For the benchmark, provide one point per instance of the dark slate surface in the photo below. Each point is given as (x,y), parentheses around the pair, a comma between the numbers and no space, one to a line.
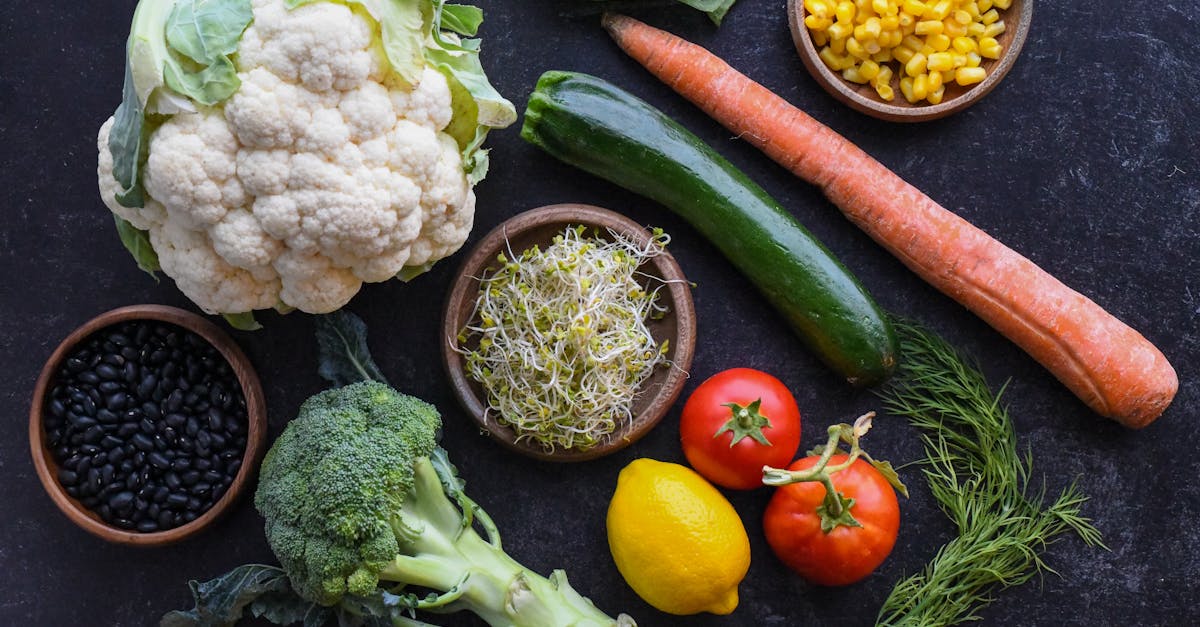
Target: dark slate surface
(1084,159)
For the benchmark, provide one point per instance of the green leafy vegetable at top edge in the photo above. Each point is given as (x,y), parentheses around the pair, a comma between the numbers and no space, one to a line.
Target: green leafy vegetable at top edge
(716,9)
(981,483)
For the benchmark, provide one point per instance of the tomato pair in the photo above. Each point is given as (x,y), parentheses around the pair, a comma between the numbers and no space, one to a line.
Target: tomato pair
(835,516)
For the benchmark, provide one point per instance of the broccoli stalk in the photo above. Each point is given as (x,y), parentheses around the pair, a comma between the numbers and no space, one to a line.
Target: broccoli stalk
(370,522)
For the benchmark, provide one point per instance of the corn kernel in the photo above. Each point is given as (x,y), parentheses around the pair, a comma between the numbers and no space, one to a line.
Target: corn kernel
(906,88)
(855,49)
(853,75)
(902,54)
(890,22)
(820,38)
(939,43)
(868,69)
(1003,4)
(873,27)
(989,17)
(950,28)
(819,8)
(972,9)
(984,5)
(920,87)
(960,59)
(969,75)
(961,16)
(912,43)
(860,33)
(817,23)
(976,29)
(905,20)
(929,27)
(880,6)
(973,59)
(927,50)
(831,58)
(994,29)
(939,10)
(916,65)
(935,96)
(838,45)
(940,62)
(872,47)
(989,48)
(915,8)
(885,92)
(935,81)
(884,77)
(863,11)
(845,12)
(883,56)
(840,30)
(965,44)
(947,77)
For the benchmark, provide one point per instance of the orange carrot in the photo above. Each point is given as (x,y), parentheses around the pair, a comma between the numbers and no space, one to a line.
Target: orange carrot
(1107,364)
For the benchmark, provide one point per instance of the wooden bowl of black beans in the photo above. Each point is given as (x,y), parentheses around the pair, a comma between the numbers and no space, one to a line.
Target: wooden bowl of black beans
(146,424)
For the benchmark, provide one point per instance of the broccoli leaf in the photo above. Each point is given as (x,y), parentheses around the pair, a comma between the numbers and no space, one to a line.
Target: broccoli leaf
(343,356)
(220,602)
(137,242)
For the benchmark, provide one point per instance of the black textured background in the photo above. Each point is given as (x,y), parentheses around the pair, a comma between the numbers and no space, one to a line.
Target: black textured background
(1084,159)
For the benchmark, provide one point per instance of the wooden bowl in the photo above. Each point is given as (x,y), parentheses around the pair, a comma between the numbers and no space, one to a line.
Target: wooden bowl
(539,226)
(863,97)
(47,468)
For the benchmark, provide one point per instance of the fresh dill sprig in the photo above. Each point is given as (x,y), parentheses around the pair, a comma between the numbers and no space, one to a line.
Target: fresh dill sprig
(981,483)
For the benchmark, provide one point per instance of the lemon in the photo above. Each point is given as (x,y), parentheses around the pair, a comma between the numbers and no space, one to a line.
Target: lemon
(676,540)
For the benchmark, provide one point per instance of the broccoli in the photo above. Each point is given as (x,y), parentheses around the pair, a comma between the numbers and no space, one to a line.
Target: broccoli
(369,521)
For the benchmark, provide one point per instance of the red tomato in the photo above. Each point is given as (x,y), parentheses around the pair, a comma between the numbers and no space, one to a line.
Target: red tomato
(735,423)
(846,554)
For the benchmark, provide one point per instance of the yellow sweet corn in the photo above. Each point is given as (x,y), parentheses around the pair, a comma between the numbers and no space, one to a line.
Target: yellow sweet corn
(855,49)
(969,75)
(873,27)
(915,8)
(940,62)
(935,81)
(989,48)
(915,65)
(817,23)
(989,17)
(845,12)
(1003,4)
(939,43)
(854,76)
(906,88)
(935,96)
(994,29)
(902,54)
(965,44)
(885,92)
(929,27)
(939,10)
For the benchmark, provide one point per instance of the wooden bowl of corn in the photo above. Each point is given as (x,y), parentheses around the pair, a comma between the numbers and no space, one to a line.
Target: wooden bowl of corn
(909,60)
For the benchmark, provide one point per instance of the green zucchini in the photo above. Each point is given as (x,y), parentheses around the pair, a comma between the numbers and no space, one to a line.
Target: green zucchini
(594,125)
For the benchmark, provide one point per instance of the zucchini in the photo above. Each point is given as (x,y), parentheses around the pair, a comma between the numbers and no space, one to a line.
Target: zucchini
(594,125)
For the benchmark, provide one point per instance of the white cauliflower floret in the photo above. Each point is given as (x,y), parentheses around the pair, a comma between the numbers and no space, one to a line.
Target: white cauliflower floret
(320,172)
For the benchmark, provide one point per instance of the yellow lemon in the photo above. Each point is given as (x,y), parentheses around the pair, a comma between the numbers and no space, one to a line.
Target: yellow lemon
(676,540)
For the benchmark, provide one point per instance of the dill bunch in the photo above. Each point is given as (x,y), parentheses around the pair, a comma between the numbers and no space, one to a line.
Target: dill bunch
(980,482)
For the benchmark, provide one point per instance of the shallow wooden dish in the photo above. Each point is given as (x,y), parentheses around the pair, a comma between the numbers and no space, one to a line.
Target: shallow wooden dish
(538,226)
(863,97)
(256,415)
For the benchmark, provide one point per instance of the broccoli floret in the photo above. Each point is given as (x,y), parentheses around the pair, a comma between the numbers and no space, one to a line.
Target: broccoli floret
(357,497)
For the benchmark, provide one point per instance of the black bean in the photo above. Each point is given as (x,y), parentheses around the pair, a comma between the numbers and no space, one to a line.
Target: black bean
(147,426)
(93,481)
(153,510)
(193,505)
(216,423)
(107,372)
(201,464)
(177,500)
(116,455)
(100,459)
(201,489)
(228,454)
(109,442)
(123,523)
(219,441)
(203,439)
(67,478)
(202,450)
(73,491)
(129,353)
(81,422)
(193,426)
(150,410)
(146,387)
(183,384)
(113,359)
(143,442)
(127,465)
(176,420)
(58,408)
(89,449)
(89,502)
(212,476)
(160,494)
(54,435)
(157,460)
(75,364)
(166,519)
(108,387)
(116,401)
(170,371)
(185,445)
(105,512)
(139,459)
(94,396)
(172,480)
(147,526)
(170,434)
(84,465)
(127,429)
(121,500)
(72,462)
(130,373)
(133,482)
(190,478)
(89,406)
(106,474)
(76,439)
(93,434)
(140,505)
(181,463)
(107,416)
(89,378)
(174,400)
(61,451)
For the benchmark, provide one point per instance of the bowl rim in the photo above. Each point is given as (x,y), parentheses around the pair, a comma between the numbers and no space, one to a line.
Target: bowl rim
(255,416)
(467,283)
(836,86)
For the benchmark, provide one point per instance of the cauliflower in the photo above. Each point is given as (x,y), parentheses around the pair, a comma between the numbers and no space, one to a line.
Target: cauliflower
(280,153)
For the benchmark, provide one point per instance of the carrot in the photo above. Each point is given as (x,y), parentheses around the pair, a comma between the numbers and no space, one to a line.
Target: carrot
(1107,364)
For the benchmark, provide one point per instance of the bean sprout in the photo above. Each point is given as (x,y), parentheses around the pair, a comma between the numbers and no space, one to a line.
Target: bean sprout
(559,340)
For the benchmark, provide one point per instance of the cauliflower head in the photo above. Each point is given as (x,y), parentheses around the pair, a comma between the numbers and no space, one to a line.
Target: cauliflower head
(280,153)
